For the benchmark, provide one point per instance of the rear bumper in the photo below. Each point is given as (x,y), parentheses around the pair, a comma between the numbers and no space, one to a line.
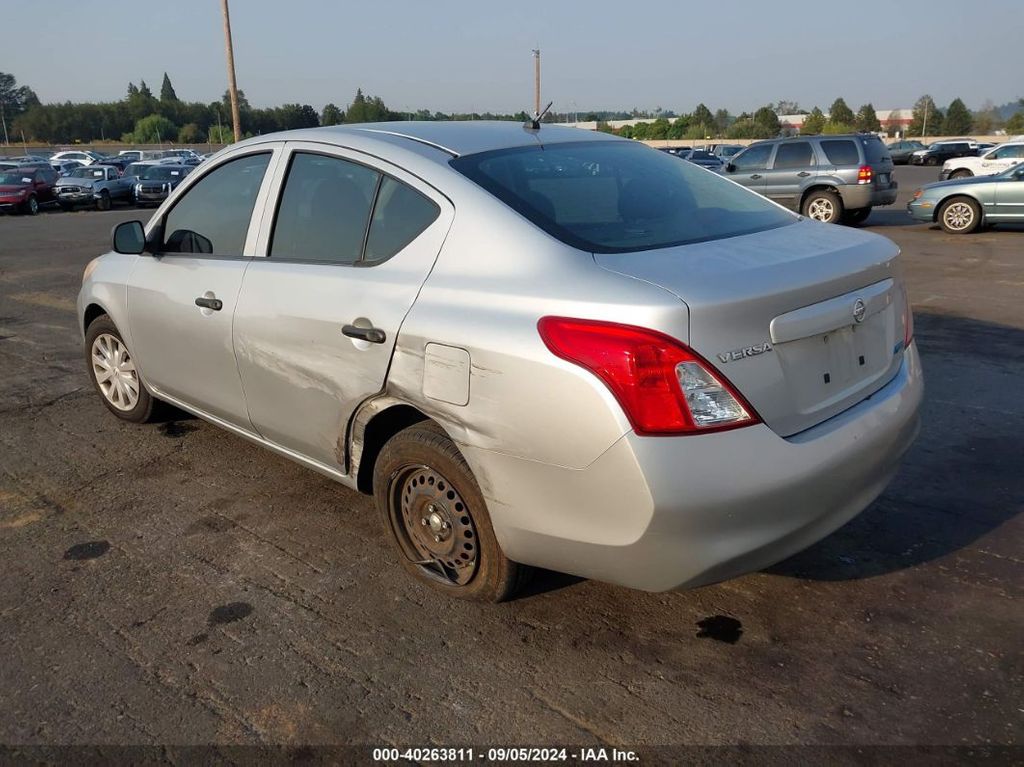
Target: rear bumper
(857,196)
(662,513)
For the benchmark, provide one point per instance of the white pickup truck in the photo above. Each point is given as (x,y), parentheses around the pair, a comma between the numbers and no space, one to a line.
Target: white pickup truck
(995,160)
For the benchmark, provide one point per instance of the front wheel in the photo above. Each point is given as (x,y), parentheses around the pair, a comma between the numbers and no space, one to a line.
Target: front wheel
(960,174)
(435,515)
(823,206)
(961,215)
(32,206)
(932,161)
(103,201)
(113,372)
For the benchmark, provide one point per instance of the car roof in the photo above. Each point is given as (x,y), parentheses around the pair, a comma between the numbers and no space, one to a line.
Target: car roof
(454,138)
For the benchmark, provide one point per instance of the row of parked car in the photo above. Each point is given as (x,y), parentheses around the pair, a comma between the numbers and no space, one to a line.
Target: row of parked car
(840,179)
(82,178)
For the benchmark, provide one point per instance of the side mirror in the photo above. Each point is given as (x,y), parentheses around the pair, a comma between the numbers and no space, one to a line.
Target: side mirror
(730,167)
(129,238)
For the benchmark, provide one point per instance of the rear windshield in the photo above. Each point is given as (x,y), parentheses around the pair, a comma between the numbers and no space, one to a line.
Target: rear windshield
(617,197)
(875,151)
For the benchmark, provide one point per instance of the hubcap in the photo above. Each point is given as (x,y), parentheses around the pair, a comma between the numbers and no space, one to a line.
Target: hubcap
(958,216)
(114,371)
(821,210)
(433,524)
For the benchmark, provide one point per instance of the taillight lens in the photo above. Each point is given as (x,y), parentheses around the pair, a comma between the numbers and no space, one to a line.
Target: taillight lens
(864,174)
(663,386)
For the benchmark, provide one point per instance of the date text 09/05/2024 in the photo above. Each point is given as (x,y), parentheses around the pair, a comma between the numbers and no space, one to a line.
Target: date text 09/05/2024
(503,754)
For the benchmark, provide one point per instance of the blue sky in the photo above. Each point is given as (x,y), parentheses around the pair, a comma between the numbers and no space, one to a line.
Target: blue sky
(459,55)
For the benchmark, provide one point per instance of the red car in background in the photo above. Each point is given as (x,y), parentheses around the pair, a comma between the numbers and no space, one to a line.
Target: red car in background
(25,189)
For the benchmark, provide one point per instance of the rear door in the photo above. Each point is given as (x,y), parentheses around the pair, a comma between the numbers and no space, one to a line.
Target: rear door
(347,246)
(793,167)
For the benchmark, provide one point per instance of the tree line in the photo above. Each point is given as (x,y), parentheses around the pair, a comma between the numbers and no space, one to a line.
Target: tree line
(144,118)
(927,120)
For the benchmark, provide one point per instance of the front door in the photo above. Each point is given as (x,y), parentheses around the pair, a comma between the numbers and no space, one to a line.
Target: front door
(182,298)
(351,243)
(1010,197)
(749,166)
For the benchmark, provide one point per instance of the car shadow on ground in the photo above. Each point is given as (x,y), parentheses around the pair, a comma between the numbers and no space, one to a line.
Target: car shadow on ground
(895,216)
(962,479)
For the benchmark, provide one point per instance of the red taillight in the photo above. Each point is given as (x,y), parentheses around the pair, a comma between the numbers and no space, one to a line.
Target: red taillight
(864,174)
(647,372)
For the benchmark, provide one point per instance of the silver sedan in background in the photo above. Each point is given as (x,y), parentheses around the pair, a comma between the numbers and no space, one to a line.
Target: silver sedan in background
(533,346)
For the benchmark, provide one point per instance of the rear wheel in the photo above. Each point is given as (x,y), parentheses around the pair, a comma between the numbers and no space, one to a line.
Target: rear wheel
(960,215)
(823,205)
(435,515)
(113,372)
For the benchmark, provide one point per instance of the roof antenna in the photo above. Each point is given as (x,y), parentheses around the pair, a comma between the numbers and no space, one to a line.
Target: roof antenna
(534,122)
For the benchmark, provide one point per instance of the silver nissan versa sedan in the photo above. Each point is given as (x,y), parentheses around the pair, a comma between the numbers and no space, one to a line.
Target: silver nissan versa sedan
(533,346)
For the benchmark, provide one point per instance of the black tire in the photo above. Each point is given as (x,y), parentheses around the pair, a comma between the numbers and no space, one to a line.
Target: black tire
(143,410)
(931,161)
(823,205)
(856,216)
(959,215)
(420,474)
(103,201)
(963,173)
(31,206)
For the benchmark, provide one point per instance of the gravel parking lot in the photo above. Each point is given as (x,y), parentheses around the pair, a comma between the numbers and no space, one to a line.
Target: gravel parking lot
(173,583)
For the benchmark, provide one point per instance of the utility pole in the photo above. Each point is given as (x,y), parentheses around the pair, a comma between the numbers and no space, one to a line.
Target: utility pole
(232,85)
(536,81)
(3,118)
(924,129)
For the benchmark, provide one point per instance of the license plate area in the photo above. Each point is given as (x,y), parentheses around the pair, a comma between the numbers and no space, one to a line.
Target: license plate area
(825,369)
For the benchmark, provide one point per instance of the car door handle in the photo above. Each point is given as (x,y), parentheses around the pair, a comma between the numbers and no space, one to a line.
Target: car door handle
(756,175)
(803,174)
(373,335)
(210,303)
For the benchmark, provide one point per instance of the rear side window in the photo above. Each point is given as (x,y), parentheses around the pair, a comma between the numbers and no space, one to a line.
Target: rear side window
(324,210)
(400,215)
(841,151)
(795,155)
(213,216)
(619,197)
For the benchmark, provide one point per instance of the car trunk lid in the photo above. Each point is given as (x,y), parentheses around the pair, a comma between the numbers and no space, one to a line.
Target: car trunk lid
(804,320)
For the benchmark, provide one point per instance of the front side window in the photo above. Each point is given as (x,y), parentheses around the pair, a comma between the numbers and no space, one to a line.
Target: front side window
(754,158)
(795,155)
(213,216)
(619,197)
(324,210)
(841,151)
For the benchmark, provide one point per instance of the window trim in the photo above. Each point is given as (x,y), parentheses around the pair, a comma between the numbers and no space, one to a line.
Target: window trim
(354,156)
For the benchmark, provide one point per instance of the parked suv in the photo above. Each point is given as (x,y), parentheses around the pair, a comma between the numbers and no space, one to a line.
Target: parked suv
(827,178)
(941,151)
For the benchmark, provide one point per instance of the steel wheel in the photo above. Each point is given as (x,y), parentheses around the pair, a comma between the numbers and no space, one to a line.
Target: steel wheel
(433,524)
(959,216)
(114,371)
